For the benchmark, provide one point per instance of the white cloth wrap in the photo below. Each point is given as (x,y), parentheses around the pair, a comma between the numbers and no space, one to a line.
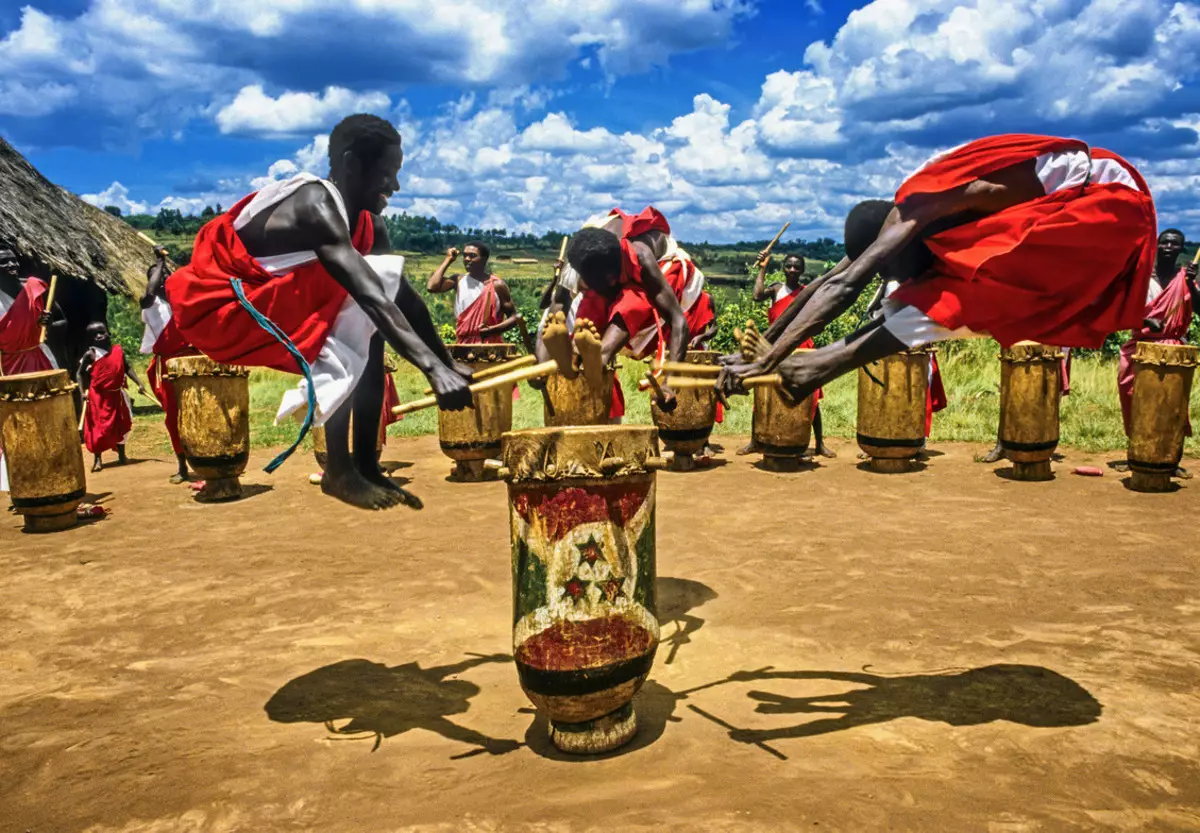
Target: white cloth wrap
(156,317)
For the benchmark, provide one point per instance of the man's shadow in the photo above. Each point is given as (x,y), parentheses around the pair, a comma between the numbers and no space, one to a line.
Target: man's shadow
(1025,694)
(381,701)
(677,597)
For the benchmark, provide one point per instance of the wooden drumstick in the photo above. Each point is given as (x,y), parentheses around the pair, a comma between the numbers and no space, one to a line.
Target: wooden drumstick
(49,305)
(526,339)
(519,375)
(1196,259)
(690,383)
(83,413)
(687,368)
(653,380)
(768,379)
(489,372)
(762,258)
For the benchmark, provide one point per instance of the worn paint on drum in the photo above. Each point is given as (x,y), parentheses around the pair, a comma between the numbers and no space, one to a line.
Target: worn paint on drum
(890,425)
(40,436)
(781,427)
(214,422)
(472,435)
(575,402)
(582,517)
(1162,385)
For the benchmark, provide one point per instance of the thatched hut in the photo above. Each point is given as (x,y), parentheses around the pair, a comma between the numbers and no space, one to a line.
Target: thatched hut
(54,232)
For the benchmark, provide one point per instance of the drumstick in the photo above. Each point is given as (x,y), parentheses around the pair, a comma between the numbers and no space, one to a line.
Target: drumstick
(1196,259)
(762,258)
(689,368)
(653,382)
(530,346)
(768,379)
(690,383)
(49,305)
(83,414)
(520,375)
(730,727)
(488,373)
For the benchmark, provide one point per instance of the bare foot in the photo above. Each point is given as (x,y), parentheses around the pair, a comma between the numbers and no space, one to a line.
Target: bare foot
(1182,473)
(349,486)
(749,448)
(862,455)
(373,474)
(558,344)
(587,342)
(177,478)
(826,451)
(96,466)
(994,456)
(1119,465)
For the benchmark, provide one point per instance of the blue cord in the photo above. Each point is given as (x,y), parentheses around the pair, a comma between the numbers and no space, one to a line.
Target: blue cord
(280,336)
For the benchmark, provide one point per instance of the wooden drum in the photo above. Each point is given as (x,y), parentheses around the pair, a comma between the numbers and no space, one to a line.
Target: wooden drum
(471,436)
(40,438)
(585,630)
(781,428)
(575,402)
(214,422)
(1030,389)
(1162,385)
(686,429)
(891,410)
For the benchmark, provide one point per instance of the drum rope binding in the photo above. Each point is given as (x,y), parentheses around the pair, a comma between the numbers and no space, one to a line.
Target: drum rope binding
(280,336)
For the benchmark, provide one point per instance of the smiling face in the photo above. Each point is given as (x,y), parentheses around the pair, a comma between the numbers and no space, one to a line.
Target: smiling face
(371,186)
(10,267)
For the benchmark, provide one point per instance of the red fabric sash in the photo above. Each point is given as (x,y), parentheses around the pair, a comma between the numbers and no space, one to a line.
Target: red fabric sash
(1173,307)
(935,394)
(303,303)
(1067,268)
(484,311)
(108,418)
(20,332)
(776,309)
(701,316)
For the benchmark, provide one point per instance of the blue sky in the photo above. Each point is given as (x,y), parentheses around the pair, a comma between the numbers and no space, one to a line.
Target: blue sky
(731,115)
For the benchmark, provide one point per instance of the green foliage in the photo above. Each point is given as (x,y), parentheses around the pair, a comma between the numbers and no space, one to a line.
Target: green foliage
(125,323)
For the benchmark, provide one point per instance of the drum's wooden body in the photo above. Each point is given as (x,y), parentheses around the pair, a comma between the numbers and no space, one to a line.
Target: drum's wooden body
(581,505)
(1162,385)
(891,410)
(1030,390)
(780,427)
(472,435)
(685,430)
(40,437)
(214,422)
(575,402)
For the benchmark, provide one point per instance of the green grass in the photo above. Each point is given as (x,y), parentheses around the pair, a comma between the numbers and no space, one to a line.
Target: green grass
(1091,418)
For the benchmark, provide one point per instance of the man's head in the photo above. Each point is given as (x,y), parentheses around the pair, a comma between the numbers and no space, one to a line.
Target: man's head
(97,335)
(863,225)
(596,255)
(475,256)
(10,266)
(364,159)
(793,268)
(1170,244)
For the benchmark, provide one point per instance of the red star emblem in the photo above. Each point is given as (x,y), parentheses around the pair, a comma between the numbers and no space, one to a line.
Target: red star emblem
(613,589)
(591,551)
(575,588)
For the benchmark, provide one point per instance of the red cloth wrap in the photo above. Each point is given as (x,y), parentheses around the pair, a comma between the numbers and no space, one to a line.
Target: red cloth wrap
(935,394)
(701,316)
(776,309)
(303,303)
(20,332)
(1067,268)
(170,345)
(108,419)
(483,312)
(1173,307)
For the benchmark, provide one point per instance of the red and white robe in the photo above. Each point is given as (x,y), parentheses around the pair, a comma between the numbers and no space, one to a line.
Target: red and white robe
(782,300)
(476,306)
(21,349)
(294,291)
(161,340)
(1066,268)
(109,417)
(935,390)
(1173,307)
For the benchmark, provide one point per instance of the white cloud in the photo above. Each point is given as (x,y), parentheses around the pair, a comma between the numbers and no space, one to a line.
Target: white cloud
(118,195)
(253,111)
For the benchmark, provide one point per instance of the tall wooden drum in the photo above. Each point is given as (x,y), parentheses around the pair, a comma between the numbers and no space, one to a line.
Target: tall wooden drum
(214,422)
(1030,389)
(780,427)
(471,436)
(40,438)
(891,410)
(685,430)
(1162,385)
(575,402)
(585,630)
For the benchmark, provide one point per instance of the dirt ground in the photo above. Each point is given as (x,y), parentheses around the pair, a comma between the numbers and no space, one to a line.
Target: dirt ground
(942,650)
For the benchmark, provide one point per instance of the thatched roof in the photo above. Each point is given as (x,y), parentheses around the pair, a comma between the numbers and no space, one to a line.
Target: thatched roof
(64,234)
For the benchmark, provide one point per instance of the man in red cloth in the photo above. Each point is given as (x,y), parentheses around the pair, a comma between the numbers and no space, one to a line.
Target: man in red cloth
(483,306)
(108,418)
(1015,236)
(281,281)
(626,295)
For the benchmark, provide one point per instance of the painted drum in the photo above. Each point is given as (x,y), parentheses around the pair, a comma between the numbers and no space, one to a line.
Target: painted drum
(685,430)
(572,401)
(471,436)
(582,517)
(214,422)
(40,437)
(1030,390)
(1162,385)
(891,410)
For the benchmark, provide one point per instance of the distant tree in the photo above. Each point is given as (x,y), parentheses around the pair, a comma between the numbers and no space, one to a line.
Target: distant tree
(113,210)
(207,213)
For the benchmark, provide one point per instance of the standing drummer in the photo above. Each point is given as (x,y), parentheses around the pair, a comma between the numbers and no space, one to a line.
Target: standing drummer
(483,306)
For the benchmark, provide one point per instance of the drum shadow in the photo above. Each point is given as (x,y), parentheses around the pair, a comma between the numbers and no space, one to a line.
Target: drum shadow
(390,466)
(380,702)
(1171,488)
(144,410)
(249,491)
(1026,694)
(654,706)
(707,465)
(930,453)
(1006,473)
(676,598)
(805,465)
(914,466)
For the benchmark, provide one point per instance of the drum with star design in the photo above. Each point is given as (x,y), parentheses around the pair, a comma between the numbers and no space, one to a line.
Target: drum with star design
(582,503)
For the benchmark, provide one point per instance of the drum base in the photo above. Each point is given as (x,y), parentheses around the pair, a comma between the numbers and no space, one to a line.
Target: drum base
(51,523)
(891,465)
(218,489)
(593,737)
(1150,481)
(682,462)
(1032,472)
(470,471)
(771,462)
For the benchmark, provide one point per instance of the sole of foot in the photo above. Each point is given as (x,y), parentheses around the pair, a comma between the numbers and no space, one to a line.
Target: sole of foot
(557,340)
(587,342)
